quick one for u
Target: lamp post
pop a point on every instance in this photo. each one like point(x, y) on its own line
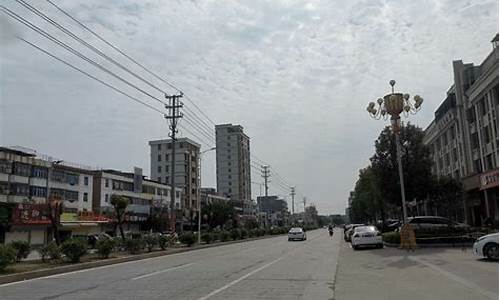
point(393, 105)
point(199, 193)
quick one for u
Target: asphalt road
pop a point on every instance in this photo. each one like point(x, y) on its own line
point(262, 269)
point(432, 273)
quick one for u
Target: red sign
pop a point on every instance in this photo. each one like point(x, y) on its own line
point(30, 214)
point(489, 180)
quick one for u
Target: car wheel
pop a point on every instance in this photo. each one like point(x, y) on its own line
point(289, 239)
point(380, 246)
point(354, 247)
point(490, 250)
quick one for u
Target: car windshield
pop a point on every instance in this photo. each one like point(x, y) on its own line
point(247, 149)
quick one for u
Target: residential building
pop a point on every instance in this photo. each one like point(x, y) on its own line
point(233, 165)
point(463, 137)
point(273, 211)
point(186, 168)
point(145, 198)
point(210, 195)
point(25, 178)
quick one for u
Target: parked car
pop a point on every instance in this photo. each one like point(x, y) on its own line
point(429, 222)
point(350, 230)
point(366, 236)
point(297, 233)
point(486, 246)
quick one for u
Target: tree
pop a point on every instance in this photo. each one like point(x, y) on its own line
point(367, 204)
point(445, 197)
point(120, 204)
point(416, 165)
point(218, 213)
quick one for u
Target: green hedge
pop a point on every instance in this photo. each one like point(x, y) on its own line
point(391, 237)
point(7, 256)
point(74, 249)
point(22, 248)
point(187, 238)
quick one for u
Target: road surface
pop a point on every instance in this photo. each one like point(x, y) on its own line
point(262, 269)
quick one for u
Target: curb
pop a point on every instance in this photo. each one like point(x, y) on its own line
point(440, 245)
point(112, 261)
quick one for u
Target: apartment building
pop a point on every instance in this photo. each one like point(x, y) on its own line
point(233, 165)
point(463, 137)
point(145, 197)
point(25, 179)
point(187, 154)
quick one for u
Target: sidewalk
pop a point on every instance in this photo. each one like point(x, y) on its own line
point(424, 274)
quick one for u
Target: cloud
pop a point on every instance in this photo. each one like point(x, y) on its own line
point(296, 74)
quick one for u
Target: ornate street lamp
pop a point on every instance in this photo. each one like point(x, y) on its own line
point(393, 105)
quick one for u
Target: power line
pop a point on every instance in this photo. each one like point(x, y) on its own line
point(90, 76)
point(73, 51)
point(128, 57)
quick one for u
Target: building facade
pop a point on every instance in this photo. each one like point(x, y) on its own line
point(463, 137)
point(187, 153)
point(233, 165)
point(28, 183)
point(145, 196)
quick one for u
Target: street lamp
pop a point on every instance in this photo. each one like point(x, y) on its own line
point(393, 105)
point(199, 193)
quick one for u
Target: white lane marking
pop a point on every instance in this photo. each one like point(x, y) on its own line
point(239, 279)
point(124, 263)
point(456, 278)
point(162, 271)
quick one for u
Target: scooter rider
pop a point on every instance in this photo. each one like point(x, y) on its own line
point(330, 230)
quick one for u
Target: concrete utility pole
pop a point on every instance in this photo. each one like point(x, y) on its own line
point(305, 216)
point(292, 193)
point(173, 107)
point(266, 173)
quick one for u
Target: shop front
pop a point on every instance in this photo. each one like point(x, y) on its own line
point(481, 199)
point(29, 222)
point(82, 224)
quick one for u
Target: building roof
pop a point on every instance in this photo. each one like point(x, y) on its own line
point(17, 152)
point(168, 141)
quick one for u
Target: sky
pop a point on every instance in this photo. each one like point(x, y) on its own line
point(297, 75)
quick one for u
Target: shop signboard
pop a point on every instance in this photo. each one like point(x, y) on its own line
point(489, 180)
point(30, 214)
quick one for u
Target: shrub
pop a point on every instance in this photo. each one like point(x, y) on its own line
point(243, 234)
point(50, 250)
point(224, 236)
point(134, 246)
point(7, 256)
point(187, 238)
point(105, 247)
point(151, 241)
point(22, 248)
point(207, 237)
point(74, 249)
point(163, 242)
point(235, 234)
point(391, 237)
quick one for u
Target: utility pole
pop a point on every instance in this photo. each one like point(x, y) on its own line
point(292, 193)
point(266, 173)
point(173, 107)
point(305, 215)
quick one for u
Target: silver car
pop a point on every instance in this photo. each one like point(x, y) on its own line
point(297, 233)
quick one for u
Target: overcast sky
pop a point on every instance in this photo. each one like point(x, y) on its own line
point(297, 75)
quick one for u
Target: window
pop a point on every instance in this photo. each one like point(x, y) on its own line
point(229, 163)
point(229, 157)
point(229, 144)
point(106, 182)
point(455, 155)
point(177, 194)
point(159, 147)
point(452, 132)
point(490, 163)
point(447, 159)
point(38, 191)
point(483, 106)
point(167, 179)
point(229, 170)
point(181, 145)
point(106, 198)
point(39, 172)
point(159, 169)
point(477, 166)
point(85, 180)
point(471, 117)
point(230, 191)
point(5, 166)
point(85, 197)
point(166, 157)
point(474, 140)
point(159, 179)
point(169, 146)
point(166, 168)
point(22, 169)
point(229, 177)
point(486, 134)
point(230, 183)
point(159, 157)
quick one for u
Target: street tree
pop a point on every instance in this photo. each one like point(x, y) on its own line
point(416, 163)
point(120, 204)
point(217, 213)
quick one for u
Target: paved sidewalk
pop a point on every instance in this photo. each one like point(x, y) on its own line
point(436, 273)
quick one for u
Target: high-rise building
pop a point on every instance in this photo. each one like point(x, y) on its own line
point(463, 137)
point(233, 165)
point(186, 167)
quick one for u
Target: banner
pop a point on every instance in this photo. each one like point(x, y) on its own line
point(30, 214)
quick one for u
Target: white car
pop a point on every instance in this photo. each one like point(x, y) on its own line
point(297, 233)
point(366, 236)
point(486, 246)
